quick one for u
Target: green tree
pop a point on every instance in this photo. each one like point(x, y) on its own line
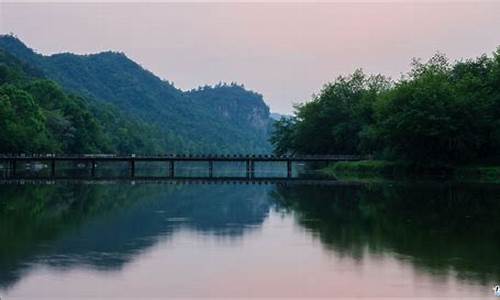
point(336, 121)
point(439, 113)
point(22, 123)
point(282, 138)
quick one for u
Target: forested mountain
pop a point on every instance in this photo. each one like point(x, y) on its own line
point(221, 119)
point(243, 112)
point(36, 115)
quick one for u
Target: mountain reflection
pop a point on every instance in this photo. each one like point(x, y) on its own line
point(105, 226)
point(439, 228)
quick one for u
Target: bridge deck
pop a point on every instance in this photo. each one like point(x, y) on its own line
point(94, 159)
point(174, 157)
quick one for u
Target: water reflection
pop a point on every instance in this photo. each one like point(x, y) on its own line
point(105, 226)
point(441, 228)
point(378, 235)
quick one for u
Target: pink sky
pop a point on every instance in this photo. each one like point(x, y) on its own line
point(286, 51)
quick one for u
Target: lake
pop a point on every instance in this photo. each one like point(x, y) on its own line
point(125, 239)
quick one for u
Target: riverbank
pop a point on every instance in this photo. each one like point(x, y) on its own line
point(392, 169)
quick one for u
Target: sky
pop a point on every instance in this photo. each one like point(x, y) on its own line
point(284, 50)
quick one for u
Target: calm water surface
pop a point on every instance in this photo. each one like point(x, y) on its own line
point(147, 240)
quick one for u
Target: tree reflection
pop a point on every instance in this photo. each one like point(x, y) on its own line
point(105, 226)
point(437, 227)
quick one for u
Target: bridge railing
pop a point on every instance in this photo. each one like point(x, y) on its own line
point(180, 156)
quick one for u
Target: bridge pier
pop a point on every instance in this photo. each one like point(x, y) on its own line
point(132, 167)
point(9, 168)
point(210, 168)
point(92, 168)
point(172, 169)
point(13, 168)
point(52, 168)
point(250, 169)
point(289, 168)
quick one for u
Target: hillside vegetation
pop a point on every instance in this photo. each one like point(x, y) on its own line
point(36, 115)
point(225, 118)
point(439, 114)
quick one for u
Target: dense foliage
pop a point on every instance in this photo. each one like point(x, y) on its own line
point(36, 115)
point(439, 112)
point(240, 115)
point(220, 119)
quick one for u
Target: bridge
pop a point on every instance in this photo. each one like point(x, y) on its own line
point(11, 163)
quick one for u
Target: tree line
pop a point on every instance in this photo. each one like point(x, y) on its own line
point(36, 115)
point(439, 112)
point(225, 118)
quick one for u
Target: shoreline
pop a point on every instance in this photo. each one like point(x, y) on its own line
point(398, 169)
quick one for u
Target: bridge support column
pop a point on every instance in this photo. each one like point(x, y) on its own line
point(92, 168)
point(132, 167)
point(247, 165)
point(210, 168)
point(53, 168)
point(289, 168)
point(172, 169)
point(250, 169)
point(9, 167)
point(13, 168)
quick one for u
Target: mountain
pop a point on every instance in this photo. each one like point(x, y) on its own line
point(220, 119)
point(277, 117)
point(36, 115)
point(233, 105)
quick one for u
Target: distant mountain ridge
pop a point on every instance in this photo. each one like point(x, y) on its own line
point(277, 117)
point(38, 116)
point(225, 118)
